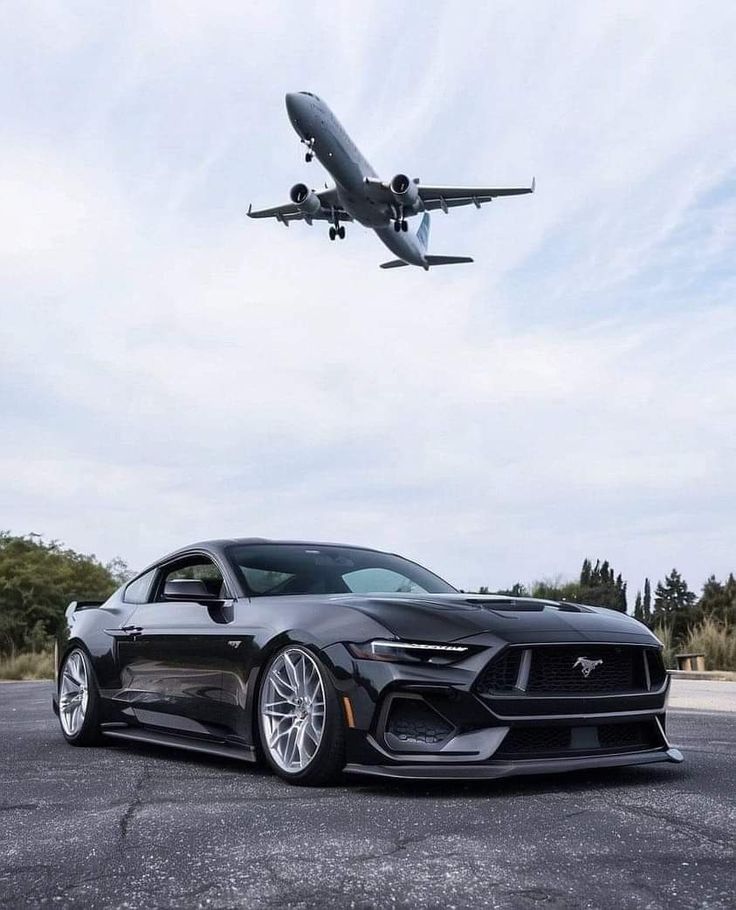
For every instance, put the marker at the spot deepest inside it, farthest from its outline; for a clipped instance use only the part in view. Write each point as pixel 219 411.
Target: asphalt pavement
pixel 138 827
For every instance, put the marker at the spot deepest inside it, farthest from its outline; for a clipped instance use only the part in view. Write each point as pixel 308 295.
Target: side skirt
pixel 154 738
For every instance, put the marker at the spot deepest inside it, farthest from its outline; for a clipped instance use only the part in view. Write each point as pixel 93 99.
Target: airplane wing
pixel 446 197
pixel 330 206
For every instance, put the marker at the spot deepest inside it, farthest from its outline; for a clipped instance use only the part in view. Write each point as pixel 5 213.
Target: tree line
pixel 37 580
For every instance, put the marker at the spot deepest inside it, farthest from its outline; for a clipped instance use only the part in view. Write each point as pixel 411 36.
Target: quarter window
pixel 138 590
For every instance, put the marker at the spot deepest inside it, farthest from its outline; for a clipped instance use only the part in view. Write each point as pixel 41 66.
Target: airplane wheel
pixel 404 226
pixel 332 234
pixel 341 233
pixel 397 226
pixel 308 157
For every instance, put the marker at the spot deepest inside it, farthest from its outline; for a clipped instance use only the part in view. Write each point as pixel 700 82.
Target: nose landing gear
pixel 310 149
pixel 337 231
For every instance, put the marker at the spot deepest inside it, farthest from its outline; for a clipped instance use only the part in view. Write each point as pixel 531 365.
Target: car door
pixel 172 651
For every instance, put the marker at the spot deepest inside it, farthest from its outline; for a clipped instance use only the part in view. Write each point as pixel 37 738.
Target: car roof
pixel 220 544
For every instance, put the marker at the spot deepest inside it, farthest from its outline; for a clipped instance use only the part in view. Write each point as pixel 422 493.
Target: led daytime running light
pixel 405 645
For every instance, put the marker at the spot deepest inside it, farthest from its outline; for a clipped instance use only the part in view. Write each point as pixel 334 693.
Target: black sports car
pixel 321 658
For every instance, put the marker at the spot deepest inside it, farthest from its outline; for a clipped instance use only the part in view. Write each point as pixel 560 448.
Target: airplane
pixel 360 195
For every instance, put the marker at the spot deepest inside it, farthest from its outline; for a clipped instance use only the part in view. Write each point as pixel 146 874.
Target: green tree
pixel 673 605
pixel 646 604
pixel 718 600
pixel 638 607
pixel 600 586
pixel 37 581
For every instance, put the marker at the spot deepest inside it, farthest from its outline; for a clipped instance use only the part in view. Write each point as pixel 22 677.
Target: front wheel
pixel 78 700
pixel 300 723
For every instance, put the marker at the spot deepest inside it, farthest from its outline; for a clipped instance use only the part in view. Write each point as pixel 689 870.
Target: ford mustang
pixel 321 659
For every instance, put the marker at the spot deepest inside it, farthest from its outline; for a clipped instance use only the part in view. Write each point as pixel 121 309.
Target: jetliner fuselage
pixel 318 127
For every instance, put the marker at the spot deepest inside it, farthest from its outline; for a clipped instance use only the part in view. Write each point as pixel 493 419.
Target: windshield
pixel 273 569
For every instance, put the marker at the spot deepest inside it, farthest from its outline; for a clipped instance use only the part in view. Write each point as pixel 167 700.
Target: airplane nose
pixel 291 103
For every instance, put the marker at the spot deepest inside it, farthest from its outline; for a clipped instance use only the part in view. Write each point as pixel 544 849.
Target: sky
pixel 172 371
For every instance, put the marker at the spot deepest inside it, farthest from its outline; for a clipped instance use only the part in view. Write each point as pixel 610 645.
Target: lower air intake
pixel 549 741
pixel 413 721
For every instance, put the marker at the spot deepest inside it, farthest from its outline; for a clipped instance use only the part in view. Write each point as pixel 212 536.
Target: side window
pixel 380 581
pixel 138 590
pixel 198 567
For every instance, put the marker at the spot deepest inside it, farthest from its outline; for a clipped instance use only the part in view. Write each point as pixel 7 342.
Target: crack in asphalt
pixel 134 803
pixel 679 823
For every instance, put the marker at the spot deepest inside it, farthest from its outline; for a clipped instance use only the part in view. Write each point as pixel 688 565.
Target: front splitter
pixel 490 770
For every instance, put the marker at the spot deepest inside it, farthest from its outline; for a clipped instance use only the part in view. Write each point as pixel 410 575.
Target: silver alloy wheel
pixel 292 706
pixel 73 693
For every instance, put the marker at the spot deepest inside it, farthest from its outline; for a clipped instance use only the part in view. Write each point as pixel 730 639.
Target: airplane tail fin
pixel 423 232
pixel 394 264
pixel 446 260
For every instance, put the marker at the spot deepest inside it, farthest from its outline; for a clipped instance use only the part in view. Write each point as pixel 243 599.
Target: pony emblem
pixel 587 666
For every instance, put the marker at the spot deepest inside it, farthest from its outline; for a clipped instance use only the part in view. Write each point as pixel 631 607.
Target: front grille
pixel 413 721
pixel 562 670
pixel 569 669
pixel 541 742
pixel 501 674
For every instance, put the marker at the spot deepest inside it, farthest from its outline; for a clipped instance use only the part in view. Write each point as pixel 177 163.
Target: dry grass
pixel 664 634
pixel 27 665
pixel 716 640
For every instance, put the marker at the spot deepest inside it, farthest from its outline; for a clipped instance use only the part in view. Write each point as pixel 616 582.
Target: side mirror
pixel 188 589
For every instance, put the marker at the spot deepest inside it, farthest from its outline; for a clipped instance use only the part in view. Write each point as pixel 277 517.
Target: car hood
pixel 449 617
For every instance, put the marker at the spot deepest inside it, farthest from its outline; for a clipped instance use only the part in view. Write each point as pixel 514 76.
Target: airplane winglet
pixel 250 209
pixel 534 184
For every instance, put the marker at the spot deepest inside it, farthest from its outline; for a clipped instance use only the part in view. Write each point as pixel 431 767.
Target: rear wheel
pixel 79 700
pixel 300 722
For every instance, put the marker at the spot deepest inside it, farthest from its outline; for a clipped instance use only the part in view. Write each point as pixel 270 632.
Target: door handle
pixel 127 632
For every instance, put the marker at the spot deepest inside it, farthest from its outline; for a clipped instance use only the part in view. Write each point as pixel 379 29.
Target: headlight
pixel 409 652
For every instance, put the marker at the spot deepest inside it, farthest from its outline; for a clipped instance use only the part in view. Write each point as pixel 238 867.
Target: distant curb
pixel 43 679
pixel 717 675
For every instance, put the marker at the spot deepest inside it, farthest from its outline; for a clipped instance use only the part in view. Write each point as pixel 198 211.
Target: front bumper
pixel 485 737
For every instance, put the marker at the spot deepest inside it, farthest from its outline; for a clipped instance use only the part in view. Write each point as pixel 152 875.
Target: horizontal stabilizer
pixel 394 264
pixel 447 260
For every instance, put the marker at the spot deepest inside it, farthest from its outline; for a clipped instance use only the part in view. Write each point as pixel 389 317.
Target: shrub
pixel 28 665
pixel 716 640
pixel 664 634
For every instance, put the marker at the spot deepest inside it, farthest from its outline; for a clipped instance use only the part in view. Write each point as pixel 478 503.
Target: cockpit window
pixel 310 95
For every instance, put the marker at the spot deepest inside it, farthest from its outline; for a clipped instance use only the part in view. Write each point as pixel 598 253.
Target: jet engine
pixel 304 199
pixel 404 191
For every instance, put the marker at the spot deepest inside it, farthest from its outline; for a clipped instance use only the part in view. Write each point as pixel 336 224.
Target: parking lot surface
pixel 127 827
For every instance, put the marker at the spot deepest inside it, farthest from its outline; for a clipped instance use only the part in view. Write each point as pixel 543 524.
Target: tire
pixel 300 721
pixel 80 726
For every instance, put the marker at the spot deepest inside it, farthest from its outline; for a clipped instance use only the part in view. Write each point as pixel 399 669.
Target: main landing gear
pixel 400 222
pixel 338 231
